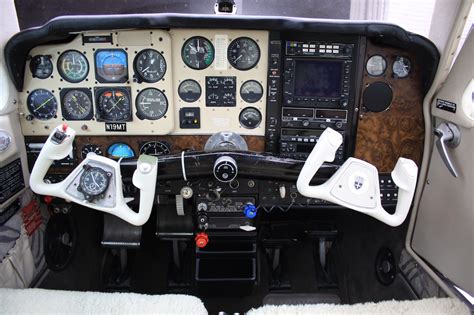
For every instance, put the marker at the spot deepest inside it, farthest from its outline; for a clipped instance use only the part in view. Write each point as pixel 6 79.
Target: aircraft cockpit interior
pixel 236 157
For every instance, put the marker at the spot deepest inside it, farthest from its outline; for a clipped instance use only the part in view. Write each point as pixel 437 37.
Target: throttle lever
pixel 355 185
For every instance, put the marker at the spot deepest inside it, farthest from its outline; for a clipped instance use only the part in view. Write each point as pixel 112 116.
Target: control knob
pixel 225 169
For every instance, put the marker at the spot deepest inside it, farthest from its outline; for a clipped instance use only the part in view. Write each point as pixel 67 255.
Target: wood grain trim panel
pixel 177 143
pixel 399 131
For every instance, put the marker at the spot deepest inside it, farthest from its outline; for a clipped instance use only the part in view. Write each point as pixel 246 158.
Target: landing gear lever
pixel 356 184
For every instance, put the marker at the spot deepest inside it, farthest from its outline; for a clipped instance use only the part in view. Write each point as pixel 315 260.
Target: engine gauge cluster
pixel 220 91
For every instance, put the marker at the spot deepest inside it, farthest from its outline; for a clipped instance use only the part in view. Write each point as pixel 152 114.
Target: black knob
pixel 339 125
pixel 202 218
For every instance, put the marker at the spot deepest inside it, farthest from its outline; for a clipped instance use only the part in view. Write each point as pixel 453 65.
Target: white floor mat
pixel 39 301
pixel 425 306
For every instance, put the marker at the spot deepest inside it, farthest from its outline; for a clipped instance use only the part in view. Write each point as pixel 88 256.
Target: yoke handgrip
pixel 59 145
pixel 356 184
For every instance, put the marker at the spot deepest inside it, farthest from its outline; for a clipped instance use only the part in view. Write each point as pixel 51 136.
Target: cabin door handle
pixel 448 136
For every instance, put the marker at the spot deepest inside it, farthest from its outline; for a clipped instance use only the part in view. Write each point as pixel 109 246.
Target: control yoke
pixel 356 184
pixel 111 199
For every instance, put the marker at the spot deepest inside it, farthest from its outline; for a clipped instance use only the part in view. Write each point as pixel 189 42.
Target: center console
pixel 317 92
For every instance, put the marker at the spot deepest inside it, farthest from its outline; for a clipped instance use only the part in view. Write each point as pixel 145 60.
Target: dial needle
pixel 145 69
pixel 115 104
pixel 44 103
pixel 93 179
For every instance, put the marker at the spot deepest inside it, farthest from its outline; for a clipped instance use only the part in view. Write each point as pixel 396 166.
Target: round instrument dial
pixel 90 148
pixel 401 67
pixel 42 104
pixel 189 91
pixel 94 182
pixel 77 105
pixel 149 65
pixel 198 53
pixel 111 65
pixel 250 118
pixel 155 148
pixel 151 104
pixel 41 66
pixel 376 65
pixel 114 105
pixel 243 53
pixel 73 66
pixel 251 91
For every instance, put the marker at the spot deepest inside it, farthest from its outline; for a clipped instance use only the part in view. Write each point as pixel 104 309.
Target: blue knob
pixel 250 211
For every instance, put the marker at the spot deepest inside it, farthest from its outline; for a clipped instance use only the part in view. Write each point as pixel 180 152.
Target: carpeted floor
pixel 358 241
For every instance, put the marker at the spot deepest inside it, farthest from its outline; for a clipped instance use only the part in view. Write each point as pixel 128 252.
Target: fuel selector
pixel 225 169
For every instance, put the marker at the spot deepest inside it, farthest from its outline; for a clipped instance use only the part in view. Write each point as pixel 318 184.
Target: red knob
pixel 48 199
pixel 64 127
pixel 201 239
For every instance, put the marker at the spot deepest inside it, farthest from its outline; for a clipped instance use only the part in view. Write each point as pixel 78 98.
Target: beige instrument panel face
pixel 170 45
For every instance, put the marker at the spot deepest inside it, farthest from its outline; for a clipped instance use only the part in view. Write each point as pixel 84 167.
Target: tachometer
pixel 76 104
pixel 376 65
pixel 250 118
pixel 251 91
pixel 198 53
pixel 151 104
pixel 42 104
pixel 189 91
pixel 73 66
pixel 111 65
pixel 113 104
pixel 401 67
pixel 149 66
pixel 41 66
pixel 243 53
pixel 155 148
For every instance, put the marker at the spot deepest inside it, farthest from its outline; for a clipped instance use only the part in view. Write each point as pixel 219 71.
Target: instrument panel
pixel 148 82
